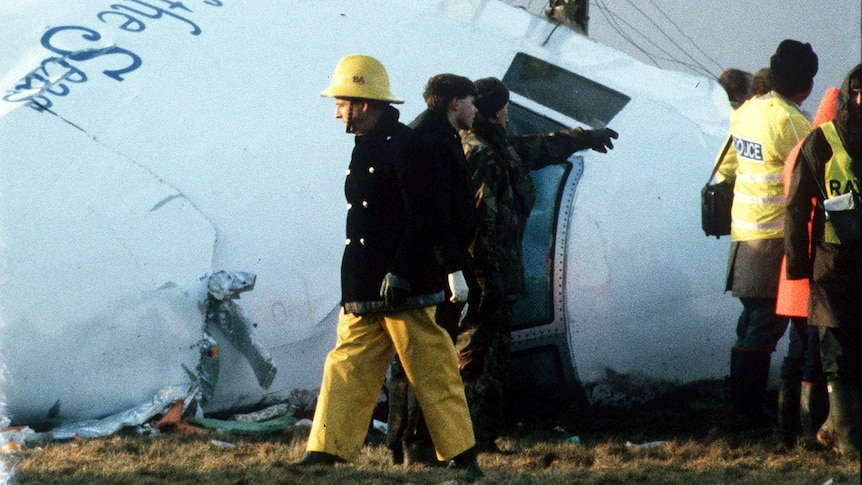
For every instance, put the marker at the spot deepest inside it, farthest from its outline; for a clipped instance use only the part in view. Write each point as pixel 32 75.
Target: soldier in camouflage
pixel 500 164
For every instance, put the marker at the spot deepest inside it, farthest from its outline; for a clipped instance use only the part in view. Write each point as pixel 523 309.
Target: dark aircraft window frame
pixel 540 237
pixel 563 91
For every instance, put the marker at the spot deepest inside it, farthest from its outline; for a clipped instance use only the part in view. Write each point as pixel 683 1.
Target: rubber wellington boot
pixel 814 405
pixel 466 462
pixel 749 374
pixel 789 404
pixel 841 431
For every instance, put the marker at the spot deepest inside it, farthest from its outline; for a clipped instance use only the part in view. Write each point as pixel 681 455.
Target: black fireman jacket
pixel 389 214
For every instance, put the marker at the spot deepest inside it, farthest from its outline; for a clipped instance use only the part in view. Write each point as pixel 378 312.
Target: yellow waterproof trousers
pixel 355 370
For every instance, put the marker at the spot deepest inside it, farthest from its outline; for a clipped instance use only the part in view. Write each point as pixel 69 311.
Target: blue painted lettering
pixel 87 54
pixel 55 71
pixel 35 101
pixel 748 149
pixel 157 12
pixel 131 24
pixel 48 78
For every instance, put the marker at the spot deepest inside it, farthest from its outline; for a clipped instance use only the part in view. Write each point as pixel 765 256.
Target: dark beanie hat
pixel 493 95
pixel 793 66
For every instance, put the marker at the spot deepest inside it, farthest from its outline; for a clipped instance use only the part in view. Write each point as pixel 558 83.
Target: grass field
pixel 681 438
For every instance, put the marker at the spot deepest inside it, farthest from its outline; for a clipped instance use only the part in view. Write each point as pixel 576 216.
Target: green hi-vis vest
pixel 838 175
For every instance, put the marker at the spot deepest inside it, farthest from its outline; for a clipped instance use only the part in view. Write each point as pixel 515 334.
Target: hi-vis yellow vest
pixel 839 177
pixel 764 130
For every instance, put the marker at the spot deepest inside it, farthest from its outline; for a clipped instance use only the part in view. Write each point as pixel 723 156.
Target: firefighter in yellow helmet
pixel 391 283
pixel 764 130
pixel 359 78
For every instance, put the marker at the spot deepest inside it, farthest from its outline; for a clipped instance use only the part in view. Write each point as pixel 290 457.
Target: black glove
pixel 394 290
pixel 600 139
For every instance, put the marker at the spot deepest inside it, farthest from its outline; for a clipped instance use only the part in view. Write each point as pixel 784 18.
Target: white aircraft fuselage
pixel 149 144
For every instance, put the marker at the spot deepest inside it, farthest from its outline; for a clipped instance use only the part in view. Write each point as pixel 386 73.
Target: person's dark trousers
pixel 397 420
pixel 484 362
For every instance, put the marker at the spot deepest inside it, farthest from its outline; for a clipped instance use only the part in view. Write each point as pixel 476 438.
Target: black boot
pixel 749 375
pixel 735 382
pixel 789 401
pixel 396 451
pixel 312 458
pixel 418 445
pixel 466 461
pixel 421 453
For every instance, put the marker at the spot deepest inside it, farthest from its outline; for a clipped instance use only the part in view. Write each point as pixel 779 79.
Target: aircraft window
pixel 538 244
pixel 565 92
pixel 525 122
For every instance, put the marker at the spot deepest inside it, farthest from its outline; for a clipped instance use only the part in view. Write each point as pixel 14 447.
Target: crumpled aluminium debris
pixel 245 427
pixel 131 417
pixel 226 285
pixel 207 370
pixel 225 315
pixel 228 317
pixel 265 414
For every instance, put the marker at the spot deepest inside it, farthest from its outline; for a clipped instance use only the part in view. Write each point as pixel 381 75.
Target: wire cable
pixel 615 26
pixel 679 29
pixel 668 37
pixel 615 21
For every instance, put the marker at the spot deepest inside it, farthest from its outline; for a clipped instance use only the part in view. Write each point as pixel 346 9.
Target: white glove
pixel 458 287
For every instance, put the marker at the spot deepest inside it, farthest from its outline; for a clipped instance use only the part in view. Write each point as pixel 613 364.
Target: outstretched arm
pixel 539 151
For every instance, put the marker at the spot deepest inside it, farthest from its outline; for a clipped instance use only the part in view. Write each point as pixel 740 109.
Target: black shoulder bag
pixel 716 201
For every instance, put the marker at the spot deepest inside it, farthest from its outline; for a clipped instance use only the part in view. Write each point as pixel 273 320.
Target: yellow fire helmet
pixel 359 76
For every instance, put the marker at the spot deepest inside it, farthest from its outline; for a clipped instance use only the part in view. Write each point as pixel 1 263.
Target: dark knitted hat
pixel 493 95
pixel 793 66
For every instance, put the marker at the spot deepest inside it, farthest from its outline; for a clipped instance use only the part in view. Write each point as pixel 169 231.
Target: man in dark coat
pixel 449 99
pixel 829 169
pixel 391 283
pixel 450 108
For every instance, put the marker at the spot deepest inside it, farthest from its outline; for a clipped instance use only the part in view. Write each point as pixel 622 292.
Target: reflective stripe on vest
pixel 839 177
pixel 758 194
pixel 764 130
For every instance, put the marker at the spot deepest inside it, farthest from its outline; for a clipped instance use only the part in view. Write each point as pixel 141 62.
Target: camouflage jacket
pixel 500 164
